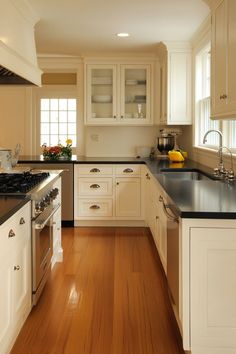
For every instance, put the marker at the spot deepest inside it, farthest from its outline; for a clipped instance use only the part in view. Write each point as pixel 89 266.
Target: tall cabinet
pixel 175 83
pixel 118 93
pixel 223 58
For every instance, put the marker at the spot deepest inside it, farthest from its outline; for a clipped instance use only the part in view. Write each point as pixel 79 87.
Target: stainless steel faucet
pixel 220 168
pixel 229 173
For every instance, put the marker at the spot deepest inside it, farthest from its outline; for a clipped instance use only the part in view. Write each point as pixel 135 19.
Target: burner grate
pixel 20 183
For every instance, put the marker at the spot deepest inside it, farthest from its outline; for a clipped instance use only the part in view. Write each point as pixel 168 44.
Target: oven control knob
pixel 54 192
pixel 47 199
pixel 42 205
pixel 37 208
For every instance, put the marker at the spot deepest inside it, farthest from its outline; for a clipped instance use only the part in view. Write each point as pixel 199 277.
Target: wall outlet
pixel 94 137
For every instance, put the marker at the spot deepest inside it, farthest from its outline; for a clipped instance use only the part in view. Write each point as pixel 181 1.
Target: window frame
pixel 53 91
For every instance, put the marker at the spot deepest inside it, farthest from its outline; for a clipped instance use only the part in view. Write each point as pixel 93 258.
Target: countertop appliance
pixel 39 186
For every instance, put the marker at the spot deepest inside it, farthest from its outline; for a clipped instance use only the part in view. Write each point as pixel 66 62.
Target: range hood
pixel 18 59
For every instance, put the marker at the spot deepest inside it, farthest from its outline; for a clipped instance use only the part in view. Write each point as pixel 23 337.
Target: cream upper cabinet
pixel 118 94
pixel 223 54
pixel 175 83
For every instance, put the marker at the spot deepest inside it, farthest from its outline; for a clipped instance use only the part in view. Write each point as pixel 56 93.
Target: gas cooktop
pixel 20 182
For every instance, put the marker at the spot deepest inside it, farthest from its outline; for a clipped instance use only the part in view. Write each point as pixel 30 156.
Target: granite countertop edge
pixel 9 205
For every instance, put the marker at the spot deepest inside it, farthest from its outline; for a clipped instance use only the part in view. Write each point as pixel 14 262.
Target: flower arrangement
pixel 58 152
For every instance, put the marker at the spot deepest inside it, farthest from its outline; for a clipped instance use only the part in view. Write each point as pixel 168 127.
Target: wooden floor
pixel 109 296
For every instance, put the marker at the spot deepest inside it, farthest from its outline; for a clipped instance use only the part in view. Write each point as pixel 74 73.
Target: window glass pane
pixel 62 139
pixel 44 128
pixel 72 104
pixel 63 116
pixel 62 128
pixel 54 128
pixel 44 140
pixel 71 128
pixel 45 116
pixel 53 140
pixel 72 117
pixel 63 104
pixel 73 138
pixel 44 104
pixel 54 104
pixel 54 116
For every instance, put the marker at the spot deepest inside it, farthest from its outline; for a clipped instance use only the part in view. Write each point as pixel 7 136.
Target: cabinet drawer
pixel 95 186
pixel 15 229
pixel 128 170
pixel 94 170
pixel 95 207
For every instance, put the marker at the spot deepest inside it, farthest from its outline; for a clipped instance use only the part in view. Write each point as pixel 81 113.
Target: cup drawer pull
pixel 94 207
pixel 22 221
pixel 128 170
pixel 95 170
pixel 94 186
pixel 11 233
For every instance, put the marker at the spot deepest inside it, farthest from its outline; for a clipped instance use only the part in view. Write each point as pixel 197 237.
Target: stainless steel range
pixel 45 202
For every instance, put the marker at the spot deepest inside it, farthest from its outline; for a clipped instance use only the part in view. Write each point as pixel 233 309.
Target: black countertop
pixel 80 160
pixel 193 199
pixel 9 205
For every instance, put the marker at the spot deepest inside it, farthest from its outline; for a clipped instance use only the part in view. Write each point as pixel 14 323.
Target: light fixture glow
pixel 123 34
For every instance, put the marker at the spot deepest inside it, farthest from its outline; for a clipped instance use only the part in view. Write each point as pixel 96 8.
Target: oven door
pixel 42 243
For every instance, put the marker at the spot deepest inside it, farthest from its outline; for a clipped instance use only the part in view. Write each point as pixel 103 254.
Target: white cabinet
pixel 57 251
pixel 155 217
pixel 208 285
pixel 108 192
pixel 118 94
pixel 175 83
pixel 128 197
pixel 15 276
pixel 223 55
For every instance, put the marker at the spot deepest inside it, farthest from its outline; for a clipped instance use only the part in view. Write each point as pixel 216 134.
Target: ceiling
pixel 82 27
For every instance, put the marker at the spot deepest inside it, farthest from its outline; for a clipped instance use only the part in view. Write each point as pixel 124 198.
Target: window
pixel 57 120
pixel 202 114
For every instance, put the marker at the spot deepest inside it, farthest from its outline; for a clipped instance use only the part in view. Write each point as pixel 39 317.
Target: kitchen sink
pixel 186 175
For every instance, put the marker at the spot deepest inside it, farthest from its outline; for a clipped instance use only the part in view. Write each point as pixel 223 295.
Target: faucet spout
pixel 220 143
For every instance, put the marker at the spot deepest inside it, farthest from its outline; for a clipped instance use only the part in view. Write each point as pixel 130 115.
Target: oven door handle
pixel 42 220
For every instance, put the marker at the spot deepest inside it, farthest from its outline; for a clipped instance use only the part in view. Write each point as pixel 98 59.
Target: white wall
pixel 15 117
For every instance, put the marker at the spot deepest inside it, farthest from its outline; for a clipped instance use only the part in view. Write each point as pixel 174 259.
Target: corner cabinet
pixel 15 275
pixel 118 94
pixel 175 83
pixel 223 58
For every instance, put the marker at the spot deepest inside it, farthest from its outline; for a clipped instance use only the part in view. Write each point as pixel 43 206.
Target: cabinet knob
pixel 95 170
pixel 22 221
pixel 114 117
pixel 223 97
pixel 128 170
pixel 122 116
pixel 17 267
pixel 95 207
pixel 94 186
pixel 11 233
pixel 147 176
pixel 117 183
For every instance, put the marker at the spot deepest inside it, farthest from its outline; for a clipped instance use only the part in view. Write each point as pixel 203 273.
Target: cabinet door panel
pixel 5 305
pixel 128 197
pixel 231 56
pixel 213 288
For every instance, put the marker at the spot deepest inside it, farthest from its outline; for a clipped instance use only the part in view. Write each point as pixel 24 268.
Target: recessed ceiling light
pixel 123 34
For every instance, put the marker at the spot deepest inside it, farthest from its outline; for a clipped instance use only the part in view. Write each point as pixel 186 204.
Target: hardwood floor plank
pixel 109 296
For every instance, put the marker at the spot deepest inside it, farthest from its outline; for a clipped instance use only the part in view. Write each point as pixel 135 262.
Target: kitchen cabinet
pixel 15 275
pixel 118 94
pixel 108 192
pixel 155 216
pixel 208 285
pixel 175 83
pixel 223 57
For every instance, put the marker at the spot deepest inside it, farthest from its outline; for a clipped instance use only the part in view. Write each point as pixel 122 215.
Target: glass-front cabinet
pixel 118 94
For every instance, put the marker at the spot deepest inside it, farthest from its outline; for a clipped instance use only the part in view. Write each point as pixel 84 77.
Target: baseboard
pixel 127 223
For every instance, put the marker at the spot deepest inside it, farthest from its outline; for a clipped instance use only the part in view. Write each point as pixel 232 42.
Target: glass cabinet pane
pixel 102 93
pixel 135 93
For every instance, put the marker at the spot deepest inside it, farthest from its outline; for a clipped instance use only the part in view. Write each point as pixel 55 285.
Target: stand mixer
pixel 167 142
